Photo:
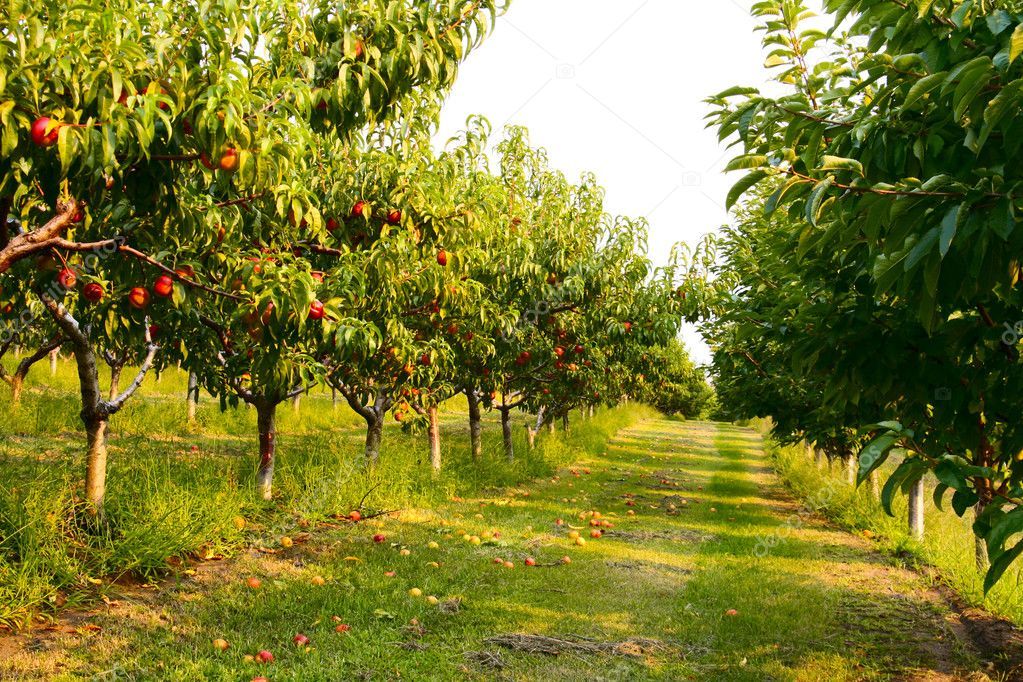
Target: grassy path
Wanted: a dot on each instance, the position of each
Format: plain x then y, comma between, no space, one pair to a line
712,531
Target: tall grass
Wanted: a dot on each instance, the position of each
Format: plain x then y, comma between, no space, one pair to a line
948,544
177,491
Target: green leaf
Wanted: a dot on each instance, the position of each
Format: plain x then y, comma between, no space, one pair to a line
948,230
1016,44
939,495
921,249
1006,527
816,199
923,87
874,455
742,186
1000,565
841,163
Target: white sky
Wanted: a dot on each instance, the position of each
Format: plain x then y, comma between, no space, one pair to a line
616,87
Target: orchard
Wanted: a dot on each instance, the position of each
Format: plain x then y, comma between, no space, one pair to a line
320,380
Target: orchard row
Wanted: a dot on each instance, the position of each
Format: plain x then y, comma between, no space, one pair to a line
276,218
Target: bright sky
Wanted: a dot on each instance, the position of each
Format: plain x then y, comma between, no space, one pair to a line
616,87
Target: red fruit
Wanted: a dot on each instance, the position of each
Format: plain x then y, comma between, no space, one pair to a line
530,561
138,298
266,316
260,678
229,160
731,613
316,310
221,644
358,209
379,537
559,522
154,330
318,276
7,309
442,258
254,582
67,278
595,533
164,286
355,516
300,639
425,360
628,327
559,351
93,293
332,224
343,627
264,656
185,272
79,216
566,560
579,350
204,159
452,330
394,217
552,279
41,136
186,127
469,336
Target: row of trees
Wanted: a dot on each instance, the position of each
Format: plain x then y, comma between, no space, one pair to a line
253,196
869,297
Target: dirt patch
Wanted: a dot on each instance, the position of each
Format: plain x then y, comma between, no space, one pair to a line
576,644
998,641
649,567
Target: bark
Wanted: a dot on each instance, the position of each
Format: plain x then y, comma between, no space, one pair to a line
564,422
333,398
550,427
296,403
875,484
506,432
115,379
916,510
96,463
53,361
193,396
266,418
531,437
475,425
434,432
980,545
821,459
17,384
374,435
851,469
17,380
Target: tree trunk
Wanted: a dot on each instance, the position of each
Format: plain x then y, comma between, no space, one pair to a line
506,432
875,484
980,545
266,418
916,510
53,361
475,425
564,422
531,437
821,459
434,432
333,398
193,396
550,426
96,464
115,381
296,403
851,469
17,384
591,411
374,435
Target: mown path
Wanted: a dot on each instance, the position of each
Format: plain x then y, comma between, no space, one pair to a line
717,576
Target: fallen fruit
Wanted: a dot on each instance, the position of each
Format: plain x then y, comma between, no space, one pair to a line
379,537
509,564
566,560
286,541
731,612
432,545
415,592
254,583
432,600
318,581
530,561
300,639
343,627
355,516
264,656
221,644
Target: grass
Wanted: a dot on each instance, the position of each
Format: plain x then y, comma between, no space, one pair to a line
710,533
948,545
166,502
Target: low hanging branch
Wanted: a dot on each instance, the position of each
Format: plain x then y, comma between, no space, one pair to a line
24,244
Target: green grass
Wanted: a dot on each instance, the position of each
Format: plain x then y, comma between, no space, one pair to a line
816,604
948,544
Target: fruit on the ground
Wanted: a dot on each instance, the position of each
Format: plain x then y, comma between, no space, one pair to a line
630,513
163,286
559,522
318,581
509,564
260,678
530,561
394,217
595,533
221,644
731,612
442,258
580,542
264,656
67,278
254,582
432,600
379,537
358,209
566,559
342,627
229,160
287,542
415,592
405,552
355,516
316,310
432,545
43,137
498,561
300,639
138,298
390,574
573,534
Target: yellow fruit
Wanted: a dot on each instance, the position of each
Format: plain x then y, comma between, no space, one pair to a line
405,552
287,542
432,545
573,534
475,540
318,581
580,542
239,523
432,600
415,592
